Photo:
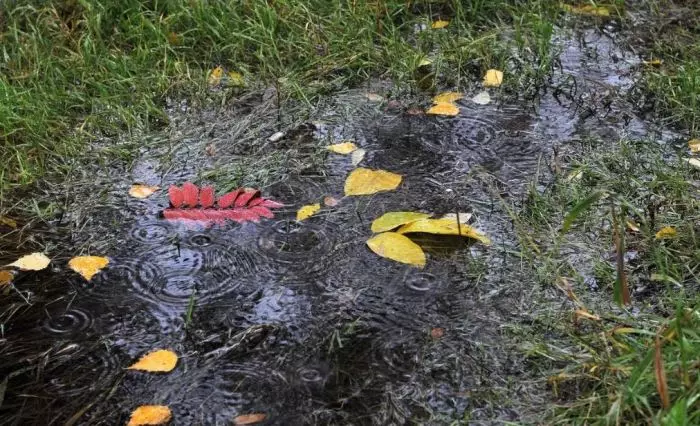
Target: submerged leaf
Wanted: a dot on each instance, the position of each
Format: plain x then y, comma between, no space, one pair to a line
161,360
482,98
88,266
693,162
249,419
150,415
357,156
436,25
391,220
397,247
447,97
330,201
142,191
493,78
444,226
6,277
444,108
586,9
363,181
307,211
666,233
342,148
694,145
32,262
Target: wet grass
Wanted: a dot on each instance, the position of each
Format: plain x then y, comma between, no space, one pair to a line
73,71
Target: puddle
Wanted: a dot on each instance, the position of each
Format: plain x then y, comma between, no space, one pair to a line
299,320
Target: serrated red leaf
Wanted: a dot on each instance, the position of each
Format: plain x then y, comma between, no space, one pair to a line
271,204
227,200
243,199
255,201
175,196
206,197
190,192
262,211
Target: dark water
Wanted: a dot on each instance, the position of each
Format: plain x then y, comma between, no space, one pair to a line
300,321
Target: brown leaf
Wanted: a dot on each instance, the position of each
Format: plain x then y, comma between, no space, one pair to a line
249,419
330,201
660,373
6,277
437,333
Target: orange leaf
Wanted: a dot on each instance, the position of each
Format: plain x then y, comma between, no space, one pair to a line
88,266
6,277
161,360
150,415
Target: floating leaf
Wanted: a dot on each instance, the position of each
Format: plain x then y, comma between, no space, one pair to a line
665,233
693,162
482,98
307,211
357,156
249,419
32,262
391,220
206,197
235,79
4,220
373,97
215,76
190,193
653,62
397,247
88,266
586,9
363,181
693,144
493,78
447,97
142,191
330,201
445,108
439,24
445,226
437,332
150,415
6,277
161,360
342,148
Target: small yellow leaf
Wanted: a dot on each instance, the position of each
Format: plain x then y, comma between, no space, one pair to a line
693,144
363,181
307,211
32,262
439,24
88,266
142,191
391,220
161,360
8,222
345,148
445,226
6,277
424,62
150,415
693,162
493,78
665,233
444,108
632,226
357,156
447,97
653,62
373,97
235,79
586,9
215,76
249,419
397,247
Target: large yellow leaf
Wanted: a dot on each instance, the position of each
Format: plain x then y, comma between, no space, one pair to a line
249,419
307,211
666,232
694,145
88,266
447,97
32,262
342,148
150,415
142,191
363,181
436,25
493,78
444,108
391,220
397,247
161,360
444,226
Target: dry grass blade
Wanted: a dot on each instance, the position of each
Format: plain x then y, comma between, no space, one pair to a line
660,373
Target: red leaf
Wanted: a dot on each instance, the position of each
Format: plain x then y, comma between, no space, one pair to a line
175,196
206,197
255,201
191,194
243,199
271,204
262,211
226,200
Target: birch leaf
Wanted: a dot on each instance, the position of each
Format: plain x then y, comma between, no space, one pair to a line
88,266
363,181
307,211
444,226
32,262
391,220
444,108
150,415
158,361
345,148
397,247
436,25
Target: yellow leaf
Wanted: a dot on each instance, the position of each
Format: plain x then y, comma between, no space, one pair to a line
88,266
653,62
447,97
424,62
391,220
307,211
363,181
665,233
693,162
357,156
249,419
32,262
439,24
693,144
463,217
632,226
445,226
161,360
397,247
586,9
493,78
343,148
235,79
6,277
444,108
150,415
215,76
142,191
8,222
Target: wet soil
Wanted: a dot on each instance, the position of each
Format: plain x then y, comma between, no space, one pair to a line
300,321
